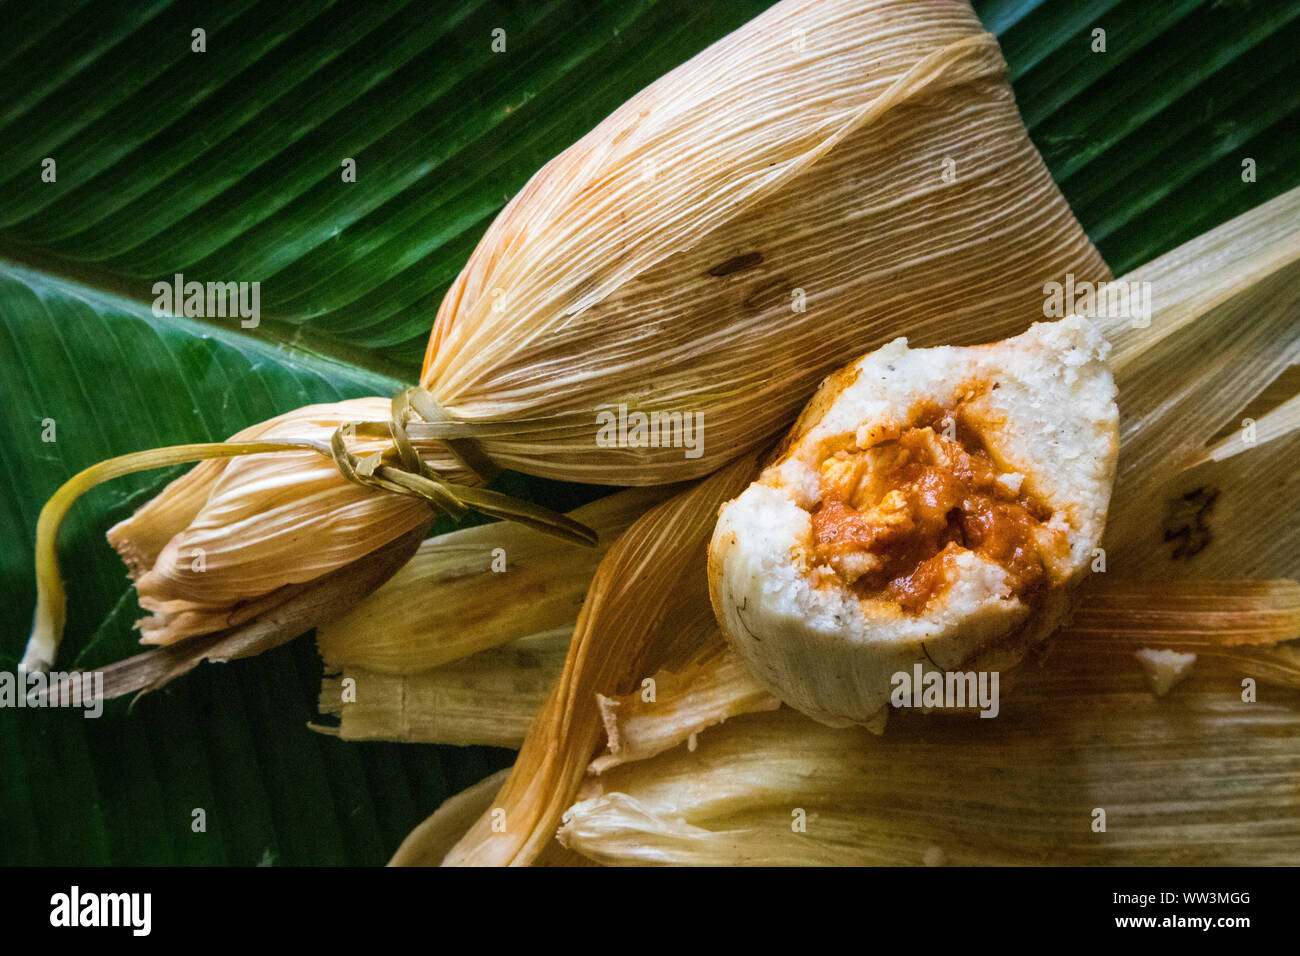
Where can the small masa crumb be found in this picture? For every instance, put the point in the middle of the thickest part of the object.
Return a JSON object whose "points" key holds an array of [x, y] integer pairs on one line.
{"points": [[692, 742], [1011, 481], [1164, 669], [935, 856]]}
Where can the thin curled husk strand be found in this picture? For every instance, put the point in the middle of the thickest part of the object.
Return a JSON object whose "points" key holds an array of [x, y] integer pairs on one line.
{"points": [[398, 470]]}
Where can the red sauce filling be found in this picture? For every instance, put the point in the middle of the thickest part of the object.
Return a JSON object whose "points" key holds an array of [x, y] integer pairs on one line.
{"points": [[891, 515]]}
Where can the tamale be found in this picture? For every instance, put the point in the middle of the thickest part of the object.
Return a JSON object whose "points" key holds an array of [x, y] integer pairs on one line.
{"points": [[828, 175]]}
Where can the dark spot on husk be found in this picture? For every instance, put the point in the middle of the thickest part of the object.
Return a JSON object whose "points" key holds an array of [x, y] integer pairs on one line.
{"points": [[738, 264], [1187, 518]]}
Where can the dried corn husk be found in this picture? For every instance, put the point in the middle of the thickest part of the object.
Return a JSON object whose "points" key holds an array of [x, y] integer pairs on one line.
{"points": [[1223, 326], [1197, 289], [714, 686], [1278, 421], [1247, 622], [1201, 776], [488, 698], [829, 174], [1113, 621], [477, 588], [1232, 513], [862, 157], [302, 606], [1207, 617], [1280, 392], [618, 639]]}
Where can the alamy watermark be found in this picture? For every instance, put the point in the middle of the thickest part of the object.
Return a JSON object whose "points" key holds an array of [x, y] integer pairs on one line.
{"points": [[621, 428], [209, 300], [80, 689], [1099, 300], [946, 689], [133, 911]]}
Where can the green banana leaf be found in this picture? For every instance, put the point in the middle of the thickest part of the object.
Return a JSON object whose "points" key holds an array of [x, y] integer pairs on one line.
{"points": [[228, 163]]}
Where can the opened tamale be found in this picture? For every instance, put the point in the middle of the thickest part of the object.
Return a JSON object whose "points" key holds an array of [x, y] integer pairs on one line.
{"points": [[932, 507], [1222, 329]]}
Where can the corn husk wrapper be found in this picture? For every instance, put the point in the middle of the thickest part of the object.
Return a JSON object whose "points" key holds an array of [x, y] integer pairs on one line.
{"points": [[231, 537], [1208, 285], [728, 798], [474, 589], [829, 175], [450, 650], [1198, 777]]}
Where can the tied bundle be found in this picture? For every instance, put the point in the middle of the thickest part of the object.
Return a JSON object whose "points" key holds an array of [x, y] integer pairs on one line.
{"points": [[823, 178]]}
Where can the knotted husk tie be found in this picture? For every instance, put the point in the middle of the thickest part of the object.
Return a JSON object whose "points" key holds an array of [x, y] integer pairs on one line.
{"points": [[401, 471]]}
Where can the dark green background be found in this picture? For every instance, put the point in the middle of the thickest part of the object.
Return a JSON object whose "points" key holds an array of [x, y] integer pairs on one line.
{"points": [[226, 164]]}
